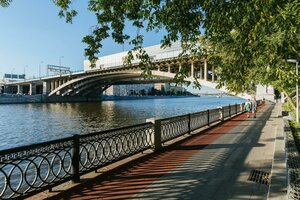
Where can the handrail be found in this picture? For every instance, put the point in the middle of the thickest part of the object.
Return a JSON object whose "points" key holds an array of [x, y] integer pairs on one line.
{"points": [[34, 168]]}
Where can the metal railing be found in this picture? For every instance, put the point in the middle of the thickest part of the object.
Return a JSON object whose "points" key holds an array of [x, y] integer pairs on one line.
{"points": [[25, 171], [293, 163], [174, 127], [198, 120]]}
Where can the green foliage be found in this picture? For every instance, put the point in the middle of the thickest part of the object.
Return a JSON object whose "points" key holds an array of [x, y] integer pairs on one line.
{"points": [[248, 42], [295, 127], [5, 3], [65, 11], [287, 107]]}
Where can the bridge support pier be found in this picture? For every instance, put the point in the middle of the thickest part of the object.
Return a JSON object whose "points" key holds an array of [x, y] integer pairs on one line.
{"points": [[192, 69], [20, 89], [46, 87], [56, 84], [32, 89], [52, 86], [212, 74], [205, 70], [201, 72]]}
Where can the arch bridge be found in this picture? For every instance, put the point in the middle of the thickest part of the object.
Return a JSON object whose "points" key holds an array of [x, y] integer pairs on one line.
{"points": [[92, 83]]}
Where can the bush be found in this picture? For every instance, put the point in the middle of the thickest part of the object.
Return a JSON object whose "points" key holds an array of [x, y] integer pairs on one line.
{"points": [[295, 127], [288, 107]]}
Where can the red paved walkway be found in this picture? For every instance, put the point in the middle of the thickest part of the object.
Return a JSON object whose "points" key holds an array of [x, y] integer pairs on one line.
{"points": [[126, 183]]}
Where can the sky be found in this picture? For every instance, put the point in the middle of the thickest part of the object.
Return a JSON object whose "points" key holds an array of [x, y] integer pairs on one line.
{"points": [[33, 36]]}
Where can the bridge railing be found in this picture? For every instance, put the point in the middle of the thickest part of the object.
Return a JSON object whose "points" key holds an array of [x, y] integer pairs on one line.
{"points": [[25, 171]]}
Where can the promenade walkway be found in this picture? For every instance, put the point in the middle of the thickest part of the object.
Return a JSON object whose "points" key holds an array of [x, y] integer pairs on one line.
{"points": [[213, 165]]}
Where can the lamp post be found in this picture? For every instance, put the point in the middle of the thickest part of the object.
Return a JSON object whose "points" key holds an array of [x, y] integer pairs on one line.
{"points": [[297, 90], [12, 71], [25, 71], [60, 60], [40, 68], [60, 63]]}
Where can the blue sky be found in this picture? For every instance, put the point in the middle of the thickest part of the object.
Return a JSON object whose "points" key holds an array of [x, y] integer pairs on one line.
{"points": [[32, 34]]}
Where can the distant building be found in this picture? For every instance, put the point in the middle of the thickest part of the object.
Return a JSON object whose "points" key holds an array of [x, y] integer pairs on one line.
{"points": [[128, 90], [118, 59], [143, 89]]}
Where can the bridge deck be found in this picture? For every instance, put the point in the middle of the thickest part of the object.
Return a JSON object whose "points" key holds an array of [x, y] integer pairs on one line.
{"points": [[213, 165]]}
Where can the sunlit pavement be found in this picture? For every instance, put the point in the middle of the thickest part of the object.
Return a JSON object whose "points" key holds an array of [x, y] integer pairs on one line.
{"points": [[213, 165]]}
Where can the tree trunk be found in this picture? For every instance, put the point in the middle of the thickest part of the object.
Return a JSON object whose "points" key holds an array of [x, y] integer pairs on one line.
{"points": [[289, 100]]}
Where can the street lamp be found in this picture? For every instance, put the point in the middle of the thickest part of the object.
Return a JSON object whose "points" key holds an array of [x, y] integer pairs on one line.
{"points": [[25, 71], [40, 68], [12, 71], [297, 91], [60, 60]]}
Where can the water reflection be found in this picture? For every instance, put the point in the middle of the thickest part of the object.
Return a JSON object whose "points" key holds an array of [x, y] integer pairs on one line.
{"points": [[31, 123]]}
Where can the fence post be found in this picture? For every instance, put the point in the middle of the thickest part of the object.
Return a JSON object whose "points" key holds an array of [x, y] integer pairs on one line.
{"points": [[157, 133], [189, 124], [207, 117], [229, 111], [221, 111], [75, 159]]}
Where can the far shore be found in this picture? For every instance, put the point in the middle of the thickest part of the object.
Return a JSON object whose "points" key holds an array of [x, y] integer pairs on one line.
{"points": [[25, 99], [116, 98]]}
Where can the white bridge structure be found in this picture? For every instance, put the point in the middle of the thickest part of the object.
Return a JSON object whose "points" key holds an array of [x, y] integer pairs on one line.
{"points": [[110, 70]]}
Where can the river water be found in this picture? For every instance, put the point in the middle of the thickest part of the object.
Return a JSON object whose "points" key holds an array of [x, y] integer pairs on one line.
{"points": [[23, 124]]}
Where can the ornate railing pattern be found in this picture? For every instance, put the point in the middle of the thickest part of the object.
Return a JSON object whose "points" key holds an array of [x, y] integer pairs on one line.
{"points": [[233, 109], [214, 115], [25, 171], [241, 107], [226, 111], [35, 168], [97, 150], [198, 120], [28, 170], [174, 127]]}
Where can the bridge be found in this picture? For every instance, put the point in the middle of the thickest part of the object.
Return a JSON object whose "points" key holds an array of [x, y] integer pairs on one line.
{"points": [[110, 71]]}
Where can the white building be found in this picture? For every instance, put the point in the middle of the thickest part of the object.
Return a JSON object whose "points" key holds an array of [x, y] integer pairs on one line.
{"points": [[117, 59]]}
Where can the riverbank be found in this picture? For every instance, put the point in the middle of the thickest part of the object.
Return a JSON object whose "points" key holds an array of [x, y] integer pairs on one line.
{"points": [[23, 99], [116, 98]]}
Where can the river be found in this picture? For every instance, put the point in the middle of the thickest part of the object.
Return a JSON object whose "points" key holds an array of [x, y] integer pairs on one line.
{"points": [[23, 124]]}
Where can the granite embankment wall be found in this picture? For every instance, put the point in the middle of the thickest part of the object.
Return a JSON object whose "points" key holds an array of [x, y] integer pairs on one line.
{"points": [[17, 99]]}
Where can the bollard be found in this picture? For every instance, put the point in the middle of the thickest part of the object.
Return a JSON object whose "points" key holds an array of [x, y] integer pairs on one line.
{"points": [[221, 111]]}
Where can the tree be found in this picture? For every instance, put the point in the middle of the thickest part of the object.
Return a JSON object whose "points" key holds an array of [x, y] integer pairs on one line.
{"points": [[248, 41]]}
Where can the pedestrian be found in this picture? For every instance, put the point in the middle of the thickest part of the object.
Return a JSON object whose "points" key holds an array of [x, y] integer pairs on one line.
{"points": [[254, 107], [248, 107]]}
